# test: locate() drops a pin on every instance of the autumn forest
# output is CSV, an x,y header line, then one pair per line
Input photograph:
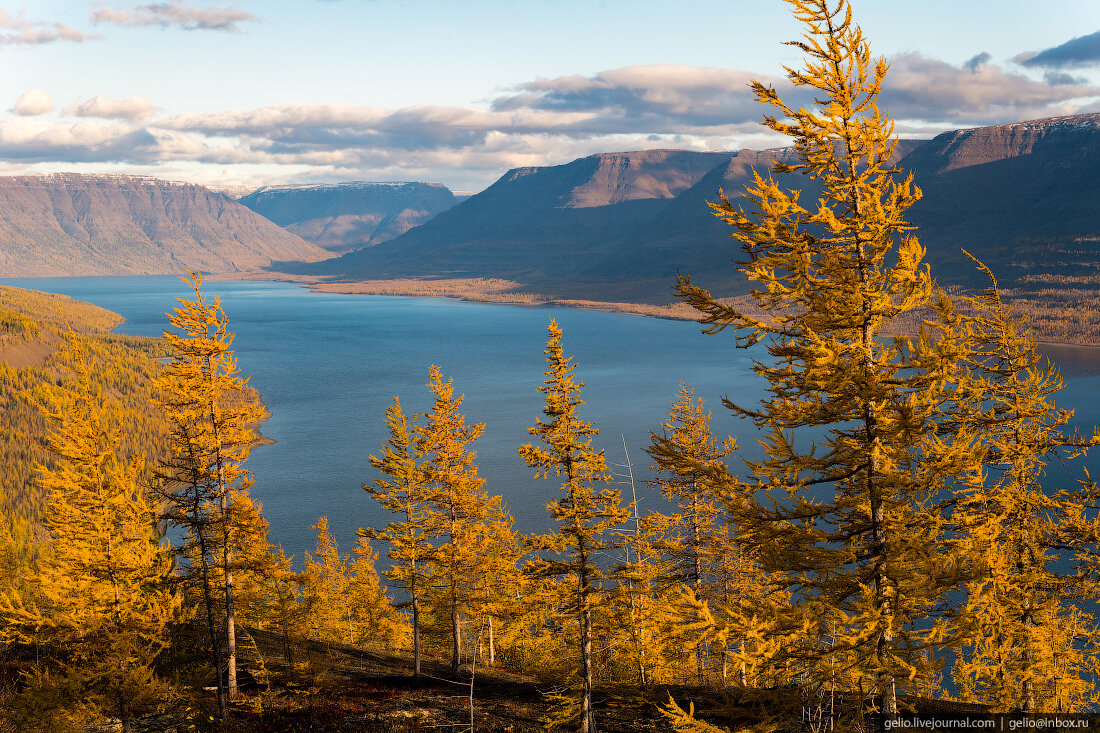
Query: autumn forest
x,y
896,544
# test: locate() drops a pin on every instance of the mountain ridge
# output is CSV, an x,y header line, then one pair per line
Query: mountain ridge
x,y
110,224
1022,196
344,216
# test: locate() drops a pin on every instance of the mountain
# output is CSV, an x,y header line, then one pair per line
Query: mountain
x,y
344,216
1022,197
74,224
537,224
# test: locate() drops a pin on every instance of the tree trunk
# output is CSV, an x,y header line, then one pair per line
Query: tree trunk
x,y
416,635
208,599
587,724
492,648
456,636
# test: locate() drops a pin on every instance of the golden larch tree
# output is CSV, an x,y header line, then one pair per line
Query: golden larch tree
x,y
326,588
475,543
843,499
98,603
585,513
1013,528
404,491
213,417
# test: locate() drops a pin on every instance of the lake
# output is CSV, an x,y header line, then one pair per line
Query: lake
x,y
328,365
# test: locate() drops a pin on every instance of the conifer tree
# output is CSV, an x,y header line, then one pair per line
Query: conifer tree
x,y
1013,526
373,618
326,588
476,542
585,513
99,601
404,492
213,419
689,469
853,460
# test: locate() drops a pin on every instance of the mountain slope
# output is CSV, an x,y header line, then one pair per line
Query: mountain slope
x,y
344,216
1024,198
73,224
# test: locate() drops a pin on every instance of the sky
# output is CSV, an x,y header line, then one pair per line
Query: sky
x,y
265,92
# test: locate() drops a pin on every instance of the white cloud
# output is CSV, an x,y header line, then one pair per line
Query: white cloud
x,y
33,102
16,29
922,88
136,109
175,13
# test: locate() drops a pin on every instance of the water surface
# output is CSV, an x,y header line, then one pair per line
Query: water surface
x,y
328,365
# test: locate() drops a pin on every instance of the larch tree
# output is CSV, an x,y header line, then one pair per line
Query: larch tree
x,y
585,513
689,466
213,417
404,491
475,542
1013,527
326,588
99,600
843,499
374,620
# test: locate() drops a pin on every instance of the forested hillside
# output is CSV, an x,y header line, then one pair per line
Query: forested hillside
x,y
33,358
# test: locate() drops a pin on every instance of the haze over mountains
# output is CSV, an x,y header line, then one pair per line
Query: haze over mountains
x,y
344,216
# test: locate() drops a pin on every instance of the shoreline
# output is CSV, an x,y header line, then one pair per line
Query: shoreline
x,y
470,290
507,292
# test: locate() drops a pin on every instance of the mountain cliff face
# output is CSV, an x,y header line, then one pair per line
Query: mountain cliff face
x,y
344,216
72,224
1025,198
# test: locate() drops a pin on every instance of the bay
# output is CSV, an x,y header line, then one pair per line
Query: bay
x,y
328,365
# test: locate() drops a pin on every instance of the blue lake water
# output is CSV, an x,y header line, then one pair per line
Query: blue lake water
x,y
328,365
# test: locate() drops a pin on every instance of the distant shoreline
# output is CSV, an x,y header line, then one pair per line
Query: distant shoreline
x,y
509,292
473,290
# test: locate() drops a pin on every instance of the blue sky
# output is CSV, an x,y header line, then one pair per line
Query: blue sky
x,y
274,91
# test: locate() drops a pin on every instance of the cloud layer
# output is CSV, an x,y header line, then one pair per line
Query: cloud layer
x,y
135,109
1073,54
34,102
539,122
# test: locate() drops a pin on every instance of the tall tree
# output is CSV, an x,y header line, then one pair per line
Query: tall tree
x,y
689,470
404,492
99,600
1013,526
853,461
476,542
213,416
584,512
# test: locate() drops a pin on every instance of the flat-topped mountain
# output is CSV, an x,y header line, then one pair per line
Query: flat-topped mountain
x,y
539,223
1024,198
75,224
344,216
